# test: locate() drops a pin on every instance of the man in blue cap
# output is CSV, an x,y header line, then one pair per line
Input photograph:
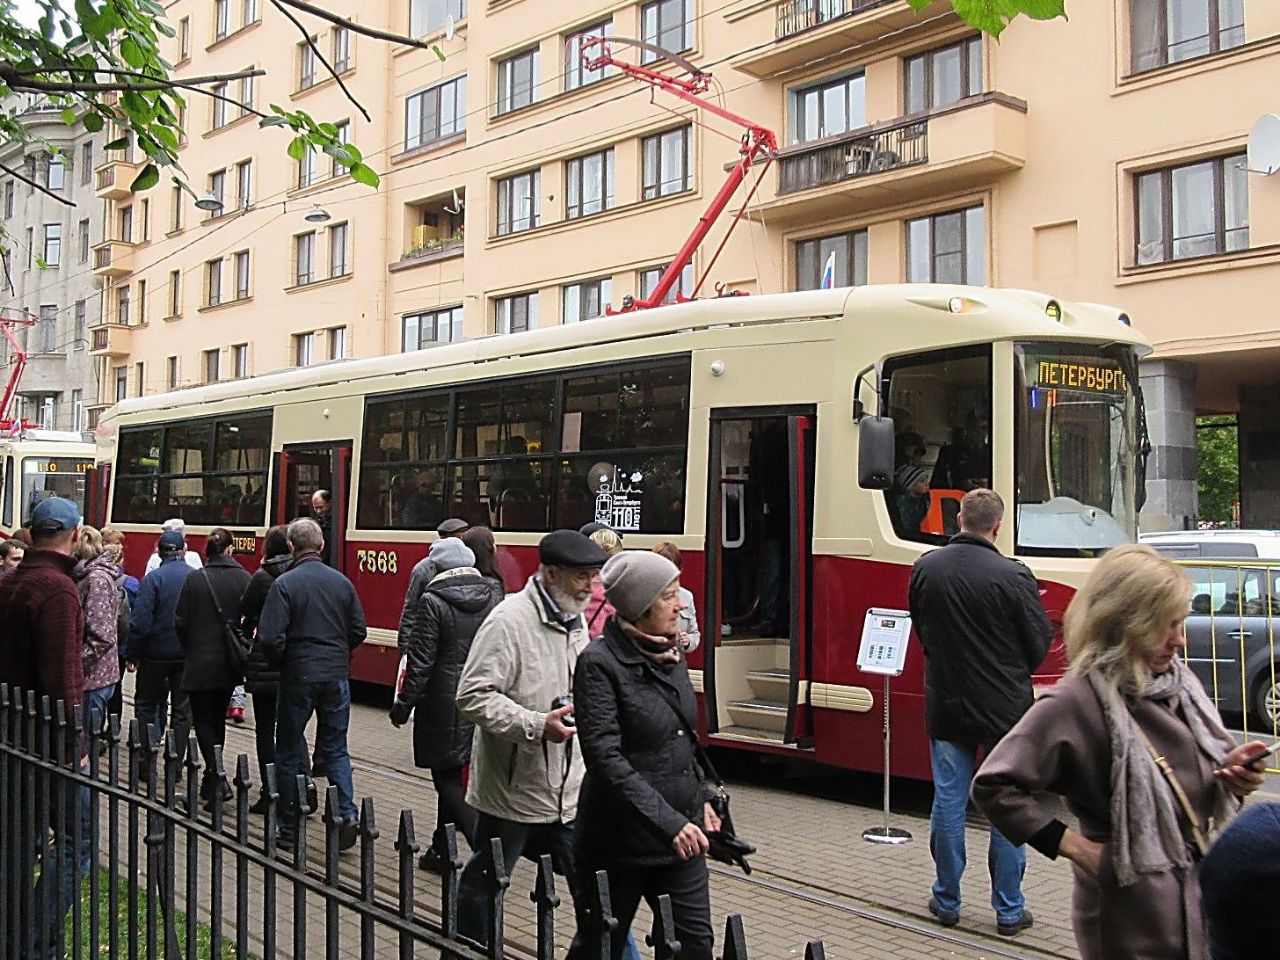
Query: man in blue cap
x,y
42,653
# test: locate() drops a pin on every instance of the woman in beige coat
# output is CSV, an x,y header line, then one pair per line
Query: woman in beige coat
x,y
1098,739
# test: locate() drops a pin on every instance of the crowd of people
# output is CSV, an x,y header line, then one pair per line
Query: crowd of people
x,y
560,719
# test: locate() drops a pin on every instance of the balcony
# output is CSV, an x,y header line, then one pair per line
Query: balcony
x,y
110,340
44,368
113,258
963,145
114,179
808,30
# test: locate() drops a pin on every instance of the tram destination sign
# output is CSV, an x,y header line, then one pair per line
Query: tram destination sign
x,y
1087,375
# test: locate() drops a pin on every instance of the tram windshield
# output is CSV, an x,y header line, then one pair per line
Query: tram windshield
x,y
1078,442
44,477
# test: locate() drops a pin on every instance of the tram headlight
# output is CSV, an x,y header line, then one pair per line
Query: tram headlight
x,y
1053,310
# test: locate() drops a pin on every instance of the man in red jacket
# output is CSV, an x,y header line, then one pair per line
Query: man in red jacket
x,y
42,653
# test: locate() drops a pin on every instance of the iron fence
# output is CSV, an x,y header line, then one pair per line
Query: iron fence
x,y
142,869
858,155
796,16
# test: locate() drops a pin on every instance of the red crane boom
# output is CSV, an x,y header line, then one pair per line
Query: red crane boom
x,y
758,143
19,363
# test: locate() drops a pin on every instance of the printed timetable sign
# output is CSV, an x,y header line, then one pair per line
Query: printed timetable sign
x,y
884,642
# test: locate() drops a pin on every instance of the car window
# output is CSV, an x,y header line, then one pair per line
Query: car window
x,y
1233,591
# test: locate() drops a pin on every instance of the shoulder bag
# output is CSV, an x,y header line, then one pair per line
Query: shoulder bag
x,y
1198,844
238,645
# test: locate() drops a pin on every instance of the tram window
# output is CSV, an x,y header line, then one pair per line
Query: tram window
x,y
243,444
511,494
401,496
8,491
189,447
407,429
139,451
510,419
630,409
630,492
941,409
136,500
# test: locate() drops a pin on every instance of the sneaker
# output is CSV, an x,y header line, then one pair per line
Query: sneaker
x,y
942,916
261,806
313,798
1017,926
348,835
236,715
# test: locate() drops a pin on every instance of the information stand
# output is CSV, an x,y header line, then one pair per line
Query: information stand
x,y
884,650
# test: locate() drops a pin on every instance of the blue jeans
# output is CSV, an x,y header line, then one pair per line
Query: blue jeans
x,y
58,874
330,701
95,708
953,767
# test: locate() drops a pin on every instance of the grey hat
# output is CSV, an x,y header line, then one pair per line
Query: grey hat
x,y
450,552
452,527
634,579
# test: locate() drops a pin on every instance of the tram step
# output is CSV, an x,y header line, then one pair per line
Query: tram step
x,y
759,714
770,683
749,735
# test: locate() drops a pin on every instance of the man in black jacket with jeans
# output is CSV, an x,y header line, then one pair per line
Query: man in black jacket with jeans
x,y
984,632
311,623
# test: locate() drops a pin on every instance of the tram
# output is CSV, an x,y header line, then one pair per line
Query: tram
x,y
35,464
735,428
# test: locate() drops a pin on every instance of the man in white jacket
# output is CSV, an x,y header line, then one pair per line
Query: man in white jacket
x,y
192,557
525,770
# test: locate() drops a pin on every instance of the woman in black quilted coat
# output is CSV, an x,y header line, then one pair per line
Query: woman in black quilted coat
x,y
451,610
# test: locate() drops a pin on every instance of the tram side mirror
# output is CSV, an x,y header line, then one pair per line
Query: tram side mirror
x,y
875,453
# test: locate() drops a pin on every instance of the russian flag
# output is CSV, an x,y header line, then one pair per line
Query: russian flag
x,y
829,272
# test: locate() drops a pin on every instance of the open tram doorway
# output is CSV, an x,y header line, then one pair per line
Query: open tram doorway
x,y
758,660
300,471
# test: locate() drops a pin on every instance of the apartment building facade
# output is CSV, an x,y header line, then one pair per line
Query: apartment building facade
x,y
46,275
1099,159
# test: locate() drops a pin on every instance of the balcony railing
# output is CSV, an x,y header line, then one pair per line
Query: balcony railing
x,y
858,155
796,16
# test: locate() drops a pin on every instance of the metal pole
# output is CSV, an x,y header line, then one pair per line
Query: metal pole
x,y
886,833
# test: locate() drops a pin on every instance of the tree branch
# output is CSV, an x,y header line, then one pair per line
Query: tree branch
x,y
321,57
10,74
50,86
359,28
31,183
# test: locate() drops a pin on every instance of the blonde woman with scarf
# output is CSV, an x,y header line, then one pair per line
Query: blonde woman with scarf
x,y
1132,743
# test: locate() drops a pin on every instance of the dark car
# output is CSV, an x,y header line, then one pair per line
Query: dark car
x,y
1232,634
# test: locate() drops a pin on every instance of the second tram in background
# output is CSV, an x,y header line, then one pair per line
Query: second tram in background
x,y
727,426
35,464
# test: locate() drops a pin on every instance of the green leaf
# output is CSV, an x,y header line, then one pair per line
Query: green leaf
x,y
273,122
119,143
329,129
40,263
298,148
435,48
69,116
132,53
146,179
93,122
362,173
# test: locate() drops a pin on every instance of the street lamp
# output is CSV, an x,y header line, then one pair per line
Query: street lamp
x,y
317,214
209,202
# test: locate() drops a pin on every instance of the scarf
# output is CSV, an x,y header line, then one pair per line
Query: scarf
x,y
1146,818
662,652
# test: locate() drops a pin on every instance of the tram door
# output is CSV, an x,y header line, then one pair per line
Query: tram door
x,y
302,470
758,657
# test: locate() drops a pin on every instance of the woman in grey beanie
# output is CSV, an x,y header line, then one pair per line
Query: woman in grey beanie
x,y
643,808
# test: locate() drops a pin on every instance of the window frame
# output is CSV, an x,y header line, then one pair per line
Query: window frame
x,y
51,245
221,20
239,361
575,183
299,278
798,94
856,243
212,363
59,164
530,320
601,288
242,274
213,282
340,45
965,46
685,23
427,27
933,219
652,181
454,321
656,272
308,64
508,100
576,75
1162,40
84,239
1168,242
339,237
430,100
507,223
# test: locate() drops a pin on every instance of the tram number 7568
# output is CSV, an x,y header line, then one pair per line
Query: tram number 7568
x,y
377,561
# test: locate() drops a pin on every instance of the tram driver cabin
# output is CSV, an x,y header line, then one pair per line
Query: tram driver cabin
x,y
734,428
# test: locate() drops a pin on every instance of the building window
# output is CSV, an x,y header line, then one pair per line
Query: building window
x,y
142,301
943,76
8,199
518,81
1170,31
304,258
182,124
31,246
140,377
184,39
84,241
246,95
217,187
244,184
575,72
667,24
122,383
123,312
435,113
338,343
219,93
837,261
343,136
57,175
518,202
667,162
171,373
307,167
79,334
418,330
649,283
221,19
213,282
250,12
86,162
515,314
340,46
588,184
430,16
240,260
339,266
124,224
175,293
52,244
240,361
306,64
303,349
829,108
1193,210
77,410
47,341
586,300
212,365
948,248
176,201
145,208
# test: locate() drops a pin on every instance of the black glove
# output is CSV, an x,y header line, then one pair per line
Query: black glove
x,y
400,713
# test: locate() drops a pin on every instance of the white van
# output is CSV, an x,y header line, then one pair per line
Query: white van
x,y
1215,544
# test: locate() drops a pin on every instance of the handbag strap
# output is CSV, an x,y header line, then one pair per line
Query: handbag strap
x,y
1197,832
214,594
